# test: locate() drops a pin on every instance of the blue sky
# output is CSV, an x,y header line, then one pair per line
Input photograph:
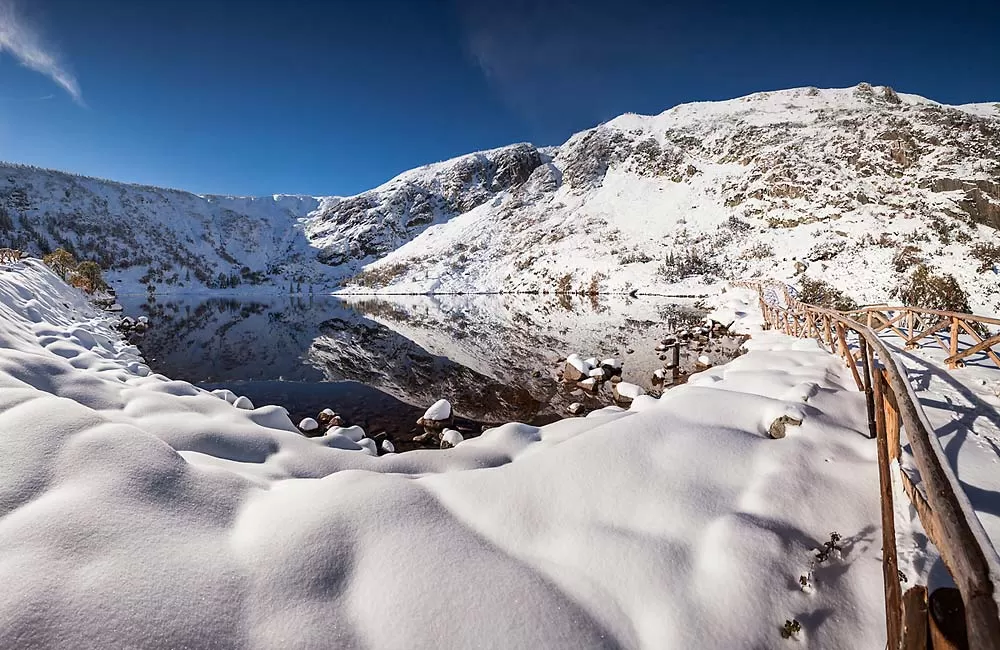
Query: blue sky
x,y
327,97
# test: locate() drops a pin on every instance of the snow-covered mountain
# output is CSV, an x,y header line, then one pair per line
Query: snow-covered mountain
x,y
853,186
168,238
835,183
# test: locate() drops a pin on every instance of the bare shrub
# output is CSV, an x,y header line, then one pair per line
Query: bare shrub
x,y
379,276
988,256
905,258
689,263
87,276
823,294
565,284
922,288
759,250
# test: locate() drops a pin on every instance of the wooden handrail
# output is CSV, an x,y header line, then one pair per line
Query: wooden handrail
x,y
943,508
990,320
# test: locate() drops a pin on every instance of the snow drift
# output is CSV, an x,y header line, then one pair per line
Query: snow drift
x,y
136,511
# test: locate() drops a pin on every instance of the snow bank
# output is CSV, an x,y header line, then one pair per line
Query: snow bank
x,y
136,511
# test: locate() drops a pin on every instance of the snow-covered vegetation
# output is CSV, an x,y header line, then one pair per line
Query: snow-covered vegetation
x,y
854,187
140,511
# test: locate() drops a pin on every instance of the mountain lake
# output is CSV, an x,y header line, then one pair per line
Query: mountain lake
x,y
380,361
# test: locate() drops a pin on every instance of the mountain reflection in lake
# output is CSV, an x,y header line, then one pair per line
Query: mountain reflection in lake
x,y
381,361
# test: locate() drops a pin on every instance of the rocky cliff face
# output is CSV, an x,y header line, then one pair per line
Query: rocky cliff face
x,y
852,186
371,225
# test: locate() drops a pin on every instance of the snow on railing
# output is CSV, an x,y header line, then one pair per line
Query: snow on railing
x,y
942,506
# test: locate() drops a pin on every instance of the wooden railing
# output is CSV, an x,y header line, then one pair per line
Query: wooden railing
x,y
943,509
10,255
913,325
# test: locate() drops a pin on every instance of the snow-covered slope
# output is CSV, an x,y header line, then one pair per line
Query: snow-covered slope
x,y
136,511
832,184
832,181
172,239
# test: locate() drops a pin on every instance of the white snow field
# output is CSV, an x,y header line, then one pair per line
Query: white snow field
x,y
141,512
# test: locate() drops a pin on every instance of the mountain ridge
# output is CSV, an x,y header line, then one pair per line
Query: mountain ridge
x,y
699,192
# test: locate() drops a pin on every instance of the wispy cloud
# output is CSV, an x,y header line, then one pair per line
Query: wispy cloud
x,y
24,43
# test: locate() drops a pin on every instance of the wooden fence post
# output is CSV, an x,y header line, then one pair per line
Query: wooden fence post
x,y
890,565
915,619
954,341
891,416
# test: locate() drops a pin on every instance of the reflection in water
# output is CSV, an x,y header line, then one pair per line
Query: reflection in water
x,y
381,361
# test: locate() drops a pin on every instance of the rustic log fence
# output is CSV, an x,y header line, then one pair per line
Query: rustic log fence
x,y
913,620
10,255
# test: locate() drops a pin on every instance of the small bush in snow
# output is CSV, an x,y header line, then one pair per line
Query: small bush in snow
x,y
930,291
635,257
886,240
61,262
791,629
689,263
759,250
825,251
988,256
905,258
942,228
823,294
87,276
737,225
823,554
379,276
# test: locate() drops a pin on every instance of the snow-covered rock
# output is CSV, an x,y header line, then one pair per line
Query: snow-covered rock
x,y
243,402
369,446
626,392
388,447
225,394
308,424
451,438
439,411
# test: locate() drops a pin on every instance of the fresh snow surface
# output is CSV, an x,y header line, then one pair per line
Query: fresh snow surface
x,y
137,511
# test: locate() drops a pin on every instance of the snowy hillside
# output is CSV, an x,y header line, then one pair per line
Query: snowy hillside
x,y
147,235
835,182
854,186
137,511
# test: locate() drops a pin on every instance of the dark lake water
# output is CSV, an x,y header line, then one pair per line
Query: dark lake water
x,y
380,362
